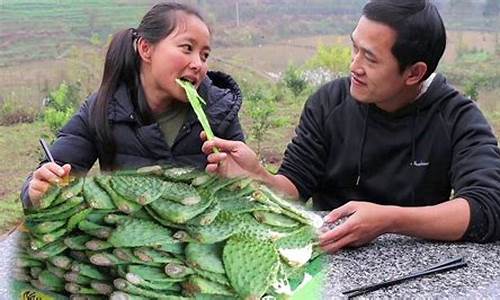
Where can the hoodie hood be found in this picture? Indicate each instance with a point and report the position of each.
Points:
(223, 97)
(438, 89)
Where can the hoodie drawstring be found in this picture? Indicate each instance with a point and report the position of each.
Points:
(363, 141)
(414, 162)
(413, 143)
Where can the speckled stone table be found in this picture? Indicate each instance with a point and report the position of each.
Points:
(393, 255)
(8, 251)
(388, 256)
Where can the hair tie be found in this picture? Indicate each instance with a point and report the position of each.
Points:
(134, 32)
(135, 38)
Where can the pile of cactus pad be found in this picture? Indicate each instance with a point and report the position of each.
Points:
(166, 233)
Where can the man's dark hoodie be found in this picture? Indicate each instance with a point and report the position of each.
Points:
(439, 145)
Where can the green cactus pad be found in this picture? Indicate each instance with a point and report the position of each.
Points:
(45, 227)
(251, 265)
(197, 285)
(153, 274)
(181, 193)
(95, 196)
(223, 227)
(139, 189)
(181, 174)
(205, 256)
(88, 270)
(119, 201)
(178, 213)
(137, 233)
(77, 242)
(275, 219)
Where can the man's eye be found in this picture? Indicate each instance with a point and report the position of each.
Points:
(371, 59)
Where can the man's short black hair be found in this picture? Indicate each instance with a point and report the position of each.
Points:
(421, 35)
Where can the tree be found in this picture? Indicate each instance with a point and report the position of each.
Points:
(335, 58)
(294, 80)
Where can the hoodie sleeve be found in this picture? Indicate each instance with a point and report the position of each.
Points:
(305, 156)
(475, 170)
(74, 145)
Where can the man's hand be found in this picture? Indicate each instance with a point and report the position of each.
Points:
(365, 222)
(235, 159)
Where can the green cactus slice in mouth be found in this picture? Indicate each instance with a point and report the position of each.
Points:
(196, 102)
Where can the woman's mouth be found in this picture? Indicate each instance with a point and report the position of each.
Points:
(189, 79)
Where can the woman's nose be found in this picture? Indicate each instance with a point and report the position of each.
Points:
(196, 62)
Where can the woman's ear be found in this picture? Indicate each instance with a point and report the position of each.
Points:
(145, 50)
(415, 73)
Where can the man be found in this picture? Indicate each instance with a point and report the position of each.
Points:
(386, 146)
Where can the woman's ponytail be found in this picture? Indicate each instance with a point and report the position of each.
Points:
(121, 66)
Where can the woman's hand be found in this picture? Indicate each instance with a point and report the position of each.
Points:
(45, 176)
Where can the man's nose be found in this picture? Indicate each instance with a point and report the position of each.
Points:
(356, 64)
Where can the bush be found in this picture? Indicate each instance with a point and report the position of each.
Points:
(61, 105)
(294, 80)
(471, 89)
(13, 111)
(474, 69)
(261, 113)
(335, 58)
(261, 104)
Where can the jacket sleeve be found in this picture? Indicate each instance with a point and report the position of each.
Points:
(475, 171)
(304, 159)
(228, 126)
(233, 131)
(74, 145)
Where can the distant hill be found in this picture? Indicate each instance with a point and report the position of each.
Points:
(36, 30)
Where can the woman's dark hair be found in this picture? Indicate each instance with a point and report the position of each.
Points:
(122, 66)
(421, 35)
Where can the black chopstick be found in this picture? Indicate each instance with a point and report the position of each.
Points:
(451, 264)
(46, 150)
(436, 266)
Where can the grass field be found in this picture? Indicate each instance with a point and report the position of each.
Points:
(20, 152)
(33, 31)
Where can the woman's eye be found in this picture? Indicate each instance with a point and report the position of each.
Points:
(187, 47)
(204, 56)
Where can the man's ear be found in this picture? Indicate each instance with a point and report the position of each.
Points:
(415, 73)
(145, 50)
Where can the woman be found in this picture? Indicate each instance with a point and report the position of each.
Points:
(140, 116)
